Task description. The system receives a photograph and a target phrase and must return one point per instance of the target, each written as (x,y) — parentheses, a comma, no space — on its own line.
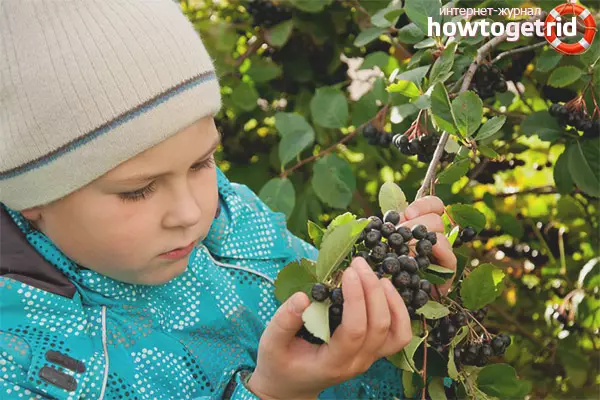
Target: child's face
(124,239)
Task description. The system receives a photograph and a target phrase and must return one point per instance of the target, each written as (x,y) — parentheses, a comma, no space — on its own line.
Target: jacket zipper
(239,267)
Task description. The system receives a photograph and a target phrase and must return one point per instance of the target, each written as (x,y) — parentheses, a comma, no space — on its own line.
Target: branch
(536,190)
(468,77)
(285,173)
(518,50)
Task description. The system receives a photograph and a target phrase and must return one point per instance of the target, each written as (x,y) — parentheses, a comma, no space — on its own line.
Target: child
(107,167)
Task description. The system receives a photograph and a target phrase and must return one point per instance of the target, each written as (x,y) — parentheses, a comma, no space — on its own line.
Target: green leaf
(368,35)
(279,195)
(564,76)
(329,108)
(405,88)
(245,96)
(333,181)
(562,175)
(312,6)
(410,389)
(457,170)
(410,34)
(364,109)
(440,270)
(386,17)
(391,197)
(441,109)
(336,246)
(433,310)
(592,55)
(490,127)
(452,371)
(401,112)
(482,286)
(467,108)
(467,215)
(295,277)
(414,75)
(501,380)
(547,60)
(419,10)
(567,208)
(584,165)
(278,35)
(541,123)
(510,224)
(378,58)
(436,389)
(488,151)
(262,70)
(443,65)
(422,102)
(297,134)
(341,219)
(315,232)
(434,279)
(453,234)
(425,44)
(404,358)
(316,319)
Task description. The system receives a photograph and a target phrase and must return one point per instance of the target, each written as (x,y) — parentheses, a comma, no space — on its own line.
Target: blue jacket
(71,333)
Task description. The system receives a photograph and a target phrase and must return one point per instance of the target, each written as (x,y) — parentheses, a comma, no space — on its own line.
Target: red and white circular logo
(584,15)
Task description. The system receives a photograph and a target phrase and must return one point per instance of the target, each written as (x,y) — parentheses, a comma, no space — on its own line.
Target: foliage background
(541,218)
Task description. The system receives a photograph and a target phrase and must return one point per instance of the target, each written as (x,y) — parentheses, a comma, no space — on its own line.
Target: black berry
(391,265)
(420,298)
(392,216)
(432,237)
(337,296)
(424,247)
(419,231)
(319,292)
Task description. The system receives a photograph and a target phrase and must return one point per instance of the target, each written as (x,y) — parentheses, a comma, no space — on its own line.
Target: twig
(522,98)
(423,394)
(468,77)
(518,50)
(543,241)
(561,247)
(536,190)
(285,173)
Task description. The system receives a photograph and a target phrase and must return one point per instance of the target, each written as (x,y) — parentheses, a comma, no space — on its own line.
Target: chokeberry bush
(331,105)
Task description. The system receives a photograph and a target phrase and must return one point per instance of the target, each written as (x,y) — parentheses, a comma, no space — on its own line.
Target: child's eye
(145,191)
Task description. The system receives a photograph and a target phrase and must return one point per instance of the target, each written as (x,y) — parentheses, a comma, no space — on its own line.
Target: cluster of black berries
(479,353)
(489,80)
(492,167)
(386,249)
(464,236)
(266,13)
(376,137)
(576,119)
(423,146)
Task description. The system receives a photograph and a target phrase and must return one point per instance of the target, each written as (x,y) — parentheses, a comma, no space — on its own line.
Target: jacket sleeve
(13,377)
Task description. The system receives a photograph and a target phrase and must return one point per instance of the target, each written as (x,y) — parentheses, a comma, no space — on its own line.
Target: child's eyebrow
(147,177)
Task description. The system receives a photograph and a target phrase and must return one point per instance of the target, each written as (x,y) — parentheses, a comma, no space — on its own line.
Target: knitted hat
(88,84)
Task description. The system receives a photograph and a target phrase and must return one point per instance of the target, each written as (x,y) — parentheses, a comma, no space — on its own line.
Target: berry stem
(518,50)
(424,372)
(472,317)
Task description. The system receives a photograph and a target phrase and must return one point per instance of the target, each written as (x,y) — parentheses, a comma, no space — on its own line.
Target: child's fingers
(350,334)
(378,315)
(422,206)
(433,222)
(400,332)
(286,322)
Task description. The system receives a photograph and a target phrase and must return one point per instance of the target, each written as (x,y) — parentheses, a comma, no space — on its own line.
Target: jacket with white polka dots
(73,333)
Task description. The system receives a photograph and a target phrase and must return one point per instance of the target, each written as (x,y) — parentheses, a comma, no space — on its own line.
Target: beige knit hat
(88,84)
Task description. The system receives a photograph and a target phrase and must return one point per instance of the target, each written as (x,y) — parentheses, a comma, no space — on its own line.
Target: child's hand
(427,211)
(375,324)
